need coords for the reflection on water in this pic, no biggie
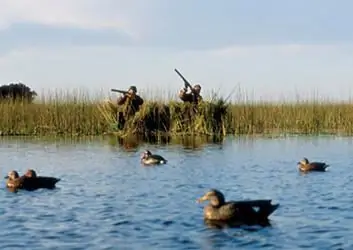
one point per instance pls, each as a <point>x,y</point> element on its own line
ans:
<point>133,142</point>
<point>12,190</point>
<point>223,224</point>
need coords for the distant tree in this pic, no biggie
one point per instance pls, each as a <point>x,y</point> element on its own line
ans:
<point>17,91</point>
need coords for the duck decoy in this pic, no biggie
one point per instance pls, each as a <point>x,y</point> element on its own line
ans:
<point>29,181</point>
<point>148,158</point>
<point>33,182</point>
<point>305,166</point>
<point>236,213</point>
<point>13,180</point>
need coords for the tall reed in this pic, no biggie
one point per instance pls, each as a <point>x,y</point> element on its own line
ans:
<point>78,113</point>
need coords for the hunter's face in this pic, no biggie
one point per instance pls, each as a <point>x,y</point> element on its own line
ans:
<point>131,92</point>
<point>197,90</point>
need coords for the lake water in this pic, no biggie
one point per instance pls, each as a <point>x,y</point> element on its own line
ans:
<point>108,200</point>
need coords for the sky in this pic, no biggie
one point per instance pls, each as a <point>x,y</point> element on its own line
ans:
<point>264,50</point>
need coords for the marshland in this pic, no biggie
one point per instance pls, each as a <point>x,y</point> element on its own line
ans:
<point>106,198</point>
<point>284,75</point>
<point>78,113</point>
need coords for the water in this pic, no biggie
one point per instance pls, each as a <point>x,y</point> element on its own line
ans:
<point>107,200</point>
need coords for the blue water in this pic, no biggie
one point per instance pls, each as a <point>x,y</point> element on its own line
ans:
<point>108,200</point>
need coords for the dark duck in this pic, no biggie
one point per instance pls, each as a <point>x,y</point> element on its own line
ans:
<point>305,166</point>
<point>236,213</point>
<point>30,181</point>
<point>148,158</point>
<point>34,182</point>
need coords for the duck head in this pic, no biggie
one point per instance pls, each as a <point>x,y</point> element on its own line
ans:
<point>214,196</point>
<point>304,161</point>
<point>145,154</point>
<point>31,173</point>
<point>12,175</point>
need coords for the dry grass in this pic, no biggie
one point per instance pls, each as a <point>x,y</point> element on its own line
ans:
<point>77,113</point>
<point>57,114</point>
<point>301,117</point>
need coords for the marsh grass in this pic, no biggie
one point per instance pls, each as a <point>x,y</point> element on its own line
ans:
<point>301,117</point>
<point>77,113</point>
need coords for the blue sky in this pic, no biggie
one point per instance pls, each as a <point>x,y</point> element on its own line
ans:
<point>271,49</point>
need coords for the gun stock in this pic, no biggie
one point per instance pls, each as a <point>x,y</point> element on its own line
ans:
<point>119,91</point>
<point>187,84</point>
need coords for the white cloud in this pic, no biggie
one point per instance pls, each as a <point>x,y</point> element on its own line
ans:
<point>125,15</point>
<point>232,51</point>
<point>295,49</point>
<point>279,49</point>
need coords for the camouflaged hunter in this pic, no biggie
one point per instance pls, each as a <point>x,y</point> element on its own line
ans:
<point>193,96</point>
<point>131,103</point>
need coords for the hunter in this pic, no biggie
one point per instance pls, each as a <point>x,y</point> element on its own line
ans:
<point>192,97</point>
<point>132,103</point>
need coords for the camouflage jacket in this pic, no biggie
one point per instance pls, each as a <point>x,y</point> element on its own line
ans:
<point>131,105</point>
<point>190,97</point>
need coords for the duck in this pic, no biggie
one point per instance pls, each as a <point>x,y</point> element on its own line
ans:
<point>148,158</point>
<point>13,180</point>
<point>305,166</point>
<point>236,213</point>
<point>32,181</point>
<point>29,181</point>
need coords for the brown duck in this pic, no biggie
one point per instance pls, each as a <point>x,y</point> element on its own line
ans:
<point>30,181</point>
<point>13,180</point>
<point>305,166</point>
<point>236,213</point>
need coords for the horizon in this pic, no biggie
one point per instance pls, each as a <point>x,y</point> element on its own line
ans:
<point>238,96</point>
<point>270,50</point>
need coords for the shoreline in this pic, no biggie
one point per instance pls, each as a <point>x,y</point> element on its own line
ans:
<point>181,135</point>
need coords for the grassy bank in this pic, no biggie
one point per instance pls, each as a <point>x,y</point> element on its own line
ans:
<point>78,114</point>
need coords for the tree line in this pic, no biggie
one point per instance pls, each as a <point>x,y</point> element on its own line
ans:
<point>17,92</point>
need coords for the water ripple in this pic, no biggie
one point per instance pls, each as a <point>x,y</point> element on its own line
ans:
<point>108,200</point>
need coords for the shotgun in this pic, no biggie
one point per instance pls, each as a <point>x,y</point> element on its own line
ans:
<point>119,91</point>
<point>187,84</point>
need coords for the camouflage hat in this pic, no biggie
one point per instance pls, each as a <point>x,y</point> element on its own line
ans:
<point>133,88</point>
<point>197,86</point>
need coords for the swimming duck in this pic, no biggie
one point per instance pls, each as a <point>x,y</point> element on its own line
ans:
<point>236,212</point>
<point>29,181</point>
<point>33,182</point>
<point>305,166</point>
<point>13,180</point>
<point>148,158</point>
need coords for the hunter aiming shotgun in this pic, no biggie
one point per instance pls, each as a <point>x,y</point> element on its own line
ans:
<point>187,84</point>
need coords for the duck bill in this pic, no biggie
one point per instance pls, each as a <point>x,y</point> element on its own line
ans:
<point>202,199</point>
<point>6,177</point>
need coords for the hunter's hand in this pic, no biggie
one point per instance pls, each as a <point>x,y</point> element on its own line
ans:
<point>130,95</point>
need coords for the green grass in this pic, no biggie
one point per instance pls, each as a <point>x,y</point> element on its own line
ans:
<point>77,114</point>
